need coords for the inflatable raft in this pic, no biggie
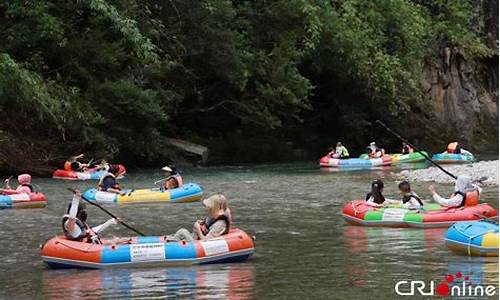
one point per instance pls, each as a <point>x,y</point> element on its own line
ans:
<point>91,174</point>
<point>473,238</point>
<point>58,252</point>
<point>414,157</point>
<point>189,192</point>
<point>433,215</point>
<point>23,200</point>
<point>329,162</point>
<point>449,158</point>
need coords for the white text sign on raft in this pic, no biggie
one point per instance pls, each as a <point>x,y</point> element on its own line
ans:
<point>20,197</point>
<point>105,197</point>
<point>213,247</point>
<point>394,214</point>
<point>147,252</point>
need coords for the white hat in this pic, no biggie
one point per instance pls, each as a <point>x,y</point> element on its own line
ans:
<point>167,169</point>
<point>373,144</point>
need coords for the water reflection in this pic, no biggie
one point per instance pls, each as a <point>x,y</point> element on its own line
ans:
<point>235,282</point>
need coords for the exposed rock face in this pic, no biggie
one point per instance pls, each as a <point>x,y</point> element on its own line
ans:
<point>464,91</point>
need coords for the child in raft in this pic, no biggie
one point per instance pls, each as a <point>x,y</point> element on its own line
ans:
<point>216,224</point>
<point>376,199</point>
<point>410,198</point>
<point>24,186</point>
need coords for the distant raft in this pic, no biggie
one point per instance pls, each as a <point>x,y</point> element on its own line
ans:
<point>357,212</point>
<point>22,200</point>
<point>410,158</point>
<point>189,192</point>
<point>329,162</point>
<point>91,174</point>
<point>473,238</point>
<point>152,251</point>
<point>450,158</point>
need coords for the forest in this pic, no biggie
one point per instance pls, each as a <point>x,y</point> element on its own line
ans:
<point>254,81</point>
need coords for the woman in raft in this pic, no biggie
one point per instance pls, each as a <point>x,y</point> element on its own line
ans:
<point>466,193</point>
<point>216,224</point>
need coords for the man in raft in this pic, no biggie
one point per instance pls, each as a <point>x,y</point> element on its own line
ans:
<point>109,183</point>
<point>75,227</point>
<point>455,148</point>
<point>466,193</point>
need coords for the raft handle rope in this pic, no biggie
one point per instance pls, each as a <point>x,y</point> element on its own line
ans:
<point>471,237</point>
<point>418,150</point>
<point>78,249</point>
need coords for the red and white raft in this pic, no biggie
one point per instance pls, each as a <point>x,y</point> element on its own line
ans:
<point>12,199</point>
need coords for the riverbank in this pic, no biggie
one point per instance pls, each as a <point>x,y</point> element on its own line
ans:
<point>484,171</point>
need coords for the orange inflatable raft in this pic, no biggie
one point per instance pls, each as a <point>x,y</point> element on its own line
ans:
<point>12,199</point>
<point>59,252</point>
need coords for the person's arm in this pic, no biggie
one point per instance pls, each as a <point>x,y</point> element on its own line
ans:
<point>465,152</point>
<point>70,224</point>
<point>116,191</point>
<point>216,230</point>
<point>448,202</point>
<point>100,228</point>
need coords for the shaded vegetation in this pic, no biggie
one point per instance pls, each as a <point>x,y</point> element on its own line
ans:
<point>253,80</point>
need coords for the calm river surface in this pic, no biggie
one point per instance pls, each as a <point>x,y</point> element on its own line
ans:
<point>304,249</point>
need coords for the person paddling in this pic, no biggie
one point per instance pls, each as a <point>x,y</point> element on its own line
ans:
<point>216,224</point>
<point>72,164</point>
<point>172,178</point>
<point>466,193</point>
<point>74,223</point>
<point>109,183</point>
<point>24,185</point>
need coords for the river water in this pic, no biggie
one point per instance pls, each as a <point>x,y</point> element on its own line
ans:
<point>304,249</point>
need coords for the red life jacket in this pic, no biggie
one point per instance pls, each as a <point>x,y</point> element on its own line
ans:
<point>470,198</point>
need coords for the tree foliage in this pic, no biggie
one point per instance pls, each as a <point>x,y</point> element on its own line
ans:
<point>115,77</point>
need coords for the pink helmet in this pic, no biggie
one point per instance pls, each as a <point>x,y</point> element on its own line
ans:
<point>24,179</point>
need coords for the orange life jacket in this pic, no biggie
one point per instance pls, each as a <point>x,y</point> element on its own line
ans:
<point>452,147</point>
<point>67,166</point>
<point>470,198</point>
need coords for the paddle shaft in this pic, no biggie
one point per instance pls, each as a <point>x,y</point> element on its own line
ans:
<point>109,213</point>
<point>411,145</point>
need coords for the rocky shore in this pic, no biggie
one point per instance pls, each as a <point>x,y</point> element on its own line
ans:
<point>484,171</point>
